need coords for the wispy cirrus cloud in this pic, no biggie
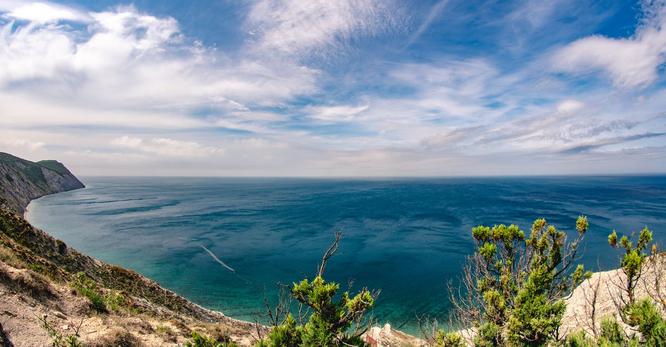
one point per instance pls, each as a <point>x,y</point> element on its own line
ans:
<point>303,28</point>
<point>358,87</point>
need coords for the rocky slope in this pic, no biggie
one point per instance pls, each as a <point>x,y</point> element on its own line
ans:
<point>22,180</point>
<point>598,297</point>
<point>51,292</point>
<point>42,298</point>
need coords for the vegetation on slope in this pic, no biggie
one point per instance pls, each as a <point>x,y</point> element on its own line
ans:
<point>515,288</point>
<point>33,263</point>
<point>55,166</point>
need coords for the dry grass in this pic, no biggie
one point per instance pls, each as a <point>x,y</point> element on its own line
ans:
<point>117,338</point>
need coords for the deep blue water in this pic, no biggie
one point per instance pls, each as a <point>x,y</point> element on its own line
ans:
<point>407,237</point>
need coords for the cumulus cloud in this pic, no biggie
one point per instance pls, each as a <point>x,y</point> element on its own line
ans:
<point>629,62</point>
<point>128,60</point>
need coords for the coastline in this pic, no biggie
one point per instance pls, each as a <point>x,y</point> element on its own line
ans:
<point>247,332</point>
<point>157,305</point>
<point>211,311</point>
<point>26,212</point>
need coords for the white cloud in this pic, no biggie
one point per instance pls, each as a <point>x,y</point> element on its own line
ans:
<point>41,12</point>
<point>300,27</point>
<point>129,86</point>
<point>568,106</point>
<point>342,113</point>
<point>126,141</point>
<point>167,147</point>
<point>449,88</point>
<point>128,61</point>
<point>22,144</point>
<point>630,62</point>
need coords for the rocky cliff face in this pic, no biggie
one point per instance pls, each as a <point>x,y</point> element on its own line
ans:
<point>22,180</point>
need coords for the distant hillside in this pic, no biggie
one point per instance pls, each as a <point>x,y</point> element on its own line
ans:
<point>22,180</point>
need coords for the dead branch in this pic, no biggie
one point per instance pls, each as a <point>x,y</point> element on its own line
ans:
<point>329,253</point>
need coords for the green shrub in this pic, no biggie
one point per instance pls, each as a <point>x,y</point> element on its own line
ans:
<point>286,334</point>
<point>515,284</point>
<point>578,339</point>
<point>633,258</point>
<point>611,333</point>
<point>329,321</point>
<point>488,335</point>
<point>449,340</point>
<point>200,340</point>
<point>114,301</point>
<point>642,315</point>
<point>88,288</point>
<point>645,316</point>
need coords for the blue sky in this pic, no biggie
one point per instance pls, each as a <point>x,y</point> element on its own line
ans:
<point>335,88</point>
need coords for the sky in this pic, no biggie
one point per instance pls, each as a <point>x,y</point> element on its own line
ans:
<point>335,88</point>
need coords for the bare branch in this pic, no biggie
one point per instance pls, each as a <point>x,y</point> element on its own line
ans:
<point>329,253</point>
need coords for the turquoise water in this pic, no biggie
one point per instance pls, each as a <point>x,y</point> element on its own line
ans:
<point>407,237</point>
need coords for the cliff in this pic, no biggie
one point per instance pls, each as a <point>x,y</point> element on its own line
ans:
<point>51,292</point>
<point>22,180</point>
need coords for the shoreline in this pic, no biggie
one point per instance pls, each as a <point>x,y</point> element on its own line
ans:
<point>157,304</point>
<point>377,332</point>
<point>26,214</point>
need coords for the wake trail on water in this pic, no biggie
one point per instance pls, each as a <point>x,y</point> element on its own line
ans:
<point>218,259</point>
<point>247,281</point>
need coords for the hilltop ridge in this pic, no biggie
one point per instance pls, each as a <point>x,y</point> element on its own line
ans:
<point>22,180</point>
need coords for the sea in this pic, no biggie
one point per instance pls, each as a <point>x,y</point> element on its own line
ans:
<point>229,243</point>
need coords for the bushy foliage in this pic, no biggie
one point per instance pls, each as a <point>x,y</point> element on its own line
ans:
<point>443,339</point>
<point>201,340</point>
<point>99,301</point>
<point>88,288</point>
<point>329,321</point>
<point>645,316</point>
<point>642,315</point>
<point>634,258</point>
<point>286,334</point>
<point>578,339</point>
<point>520,282</point>
<point>611,333</point>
